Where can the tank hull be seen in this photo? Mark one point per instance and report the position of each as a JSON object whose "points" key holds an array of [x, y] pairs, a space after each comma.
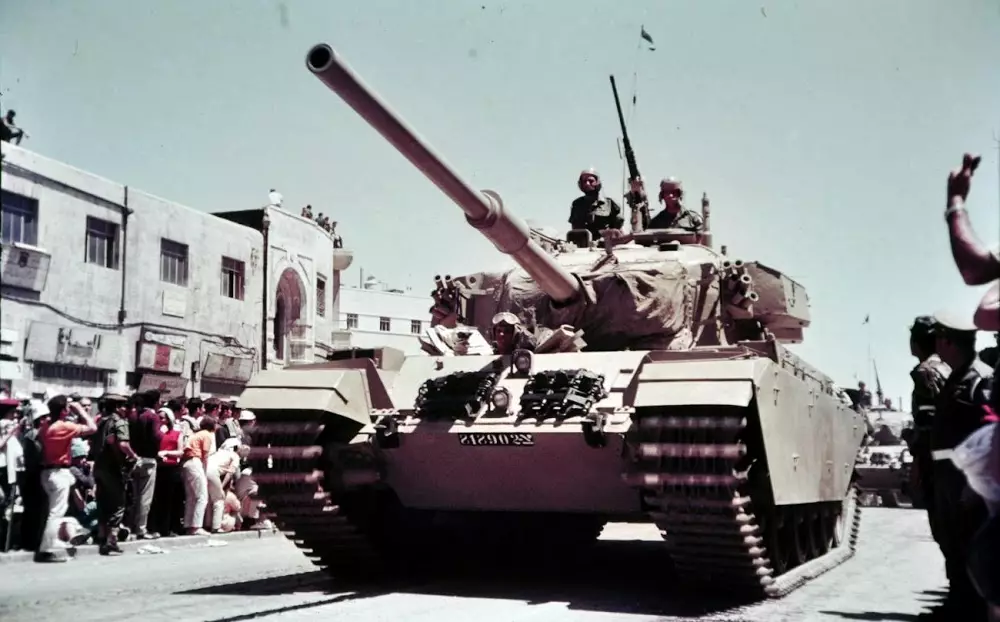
{"points": [[884, 472], [736, 453]]}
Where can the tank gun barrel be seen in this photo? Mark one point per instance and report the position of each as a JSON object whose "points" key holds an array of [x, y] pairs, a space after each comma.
{"points": [[483, 210]]}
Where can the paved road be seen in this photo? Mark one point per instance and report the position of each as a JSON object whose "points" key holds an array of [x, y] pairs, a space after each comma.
{"points": [[896, 574]]}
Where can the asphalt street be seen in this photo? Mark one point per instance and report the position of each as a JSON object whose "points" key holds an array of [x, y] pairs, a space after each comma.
{"points": [[896, 574]]}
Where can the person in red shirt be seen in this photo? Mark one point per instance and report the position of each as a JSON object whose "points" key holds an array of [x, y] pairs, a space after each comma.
{"points": [[57, 434], [167, 512]]}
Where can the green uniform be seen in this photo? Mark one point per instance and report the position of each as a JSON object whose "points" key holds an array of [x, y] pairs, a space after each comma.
{"points": [[111, 473]]}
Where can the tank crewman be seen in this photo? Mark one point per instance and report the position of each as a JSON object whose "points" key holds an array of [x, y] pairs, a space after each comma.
{"points": [[864, 395], [113, 460], [673, 215], [963, 406], [592, 211], [509, 334], [929, 376]]}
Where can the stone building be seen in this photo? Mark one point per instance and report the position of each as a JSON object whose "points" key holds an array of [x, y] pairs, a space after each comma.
{"points": [[104, 286], [374, 315]]}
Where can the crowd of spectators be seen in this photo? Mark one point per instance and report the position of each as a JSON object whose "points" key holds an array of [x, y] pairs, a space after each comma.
{"points": [[324, 222], [128, 467]]}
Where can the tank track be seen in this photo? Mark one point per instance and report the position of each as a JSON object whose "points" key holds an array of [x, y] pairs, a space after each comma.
{"points": [[713, 505], [289, 454]]}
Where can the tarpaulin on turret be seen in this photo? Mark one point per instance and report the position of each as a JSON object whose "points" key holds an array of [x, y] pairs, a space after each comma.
{"points": [[641, 306]]}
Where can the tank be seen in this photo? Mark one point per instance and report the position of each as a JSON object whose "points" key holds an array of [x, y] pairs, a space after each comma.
{"points": [[656, 386], [885, 468]]}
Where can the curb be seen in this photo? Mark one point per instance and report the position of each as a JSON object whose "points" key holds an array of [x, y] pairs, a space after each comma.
{"points": [[167, 544]]}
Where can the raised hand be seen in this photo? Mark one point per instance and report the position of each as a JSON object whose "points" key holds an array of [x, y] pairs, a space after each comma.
{"points": [[960, 180]]}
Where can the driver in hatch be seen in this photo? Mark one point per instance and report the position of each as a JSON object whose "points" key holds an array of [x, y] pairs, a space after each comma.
{"points": [[674, 216], [509, 334]]}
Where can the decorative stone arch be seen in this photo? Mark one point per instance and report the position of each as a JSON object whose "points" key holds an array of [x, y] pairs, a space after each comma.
{"points": [[289, 309]]}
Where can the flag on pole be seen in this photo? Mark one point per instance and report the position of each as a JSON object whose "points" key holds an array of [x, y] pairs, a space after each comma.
{"points": [[646, 37]]}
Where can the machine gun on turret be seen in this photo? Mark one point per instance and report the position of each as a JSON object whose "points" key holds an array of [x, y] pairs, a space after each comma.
{"points": [[636, 196]]}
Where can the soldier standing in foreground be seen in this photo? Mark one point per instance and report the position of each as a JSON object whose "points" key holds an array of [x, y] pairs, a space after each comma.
{"points": [[113, 461], [591, 211], [929, 376], [962, 408]]}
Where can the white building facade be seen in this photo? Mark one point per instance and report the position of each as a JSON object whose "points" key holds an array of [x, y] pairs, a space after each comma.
{"points": [[106, 287], [375, 315]]}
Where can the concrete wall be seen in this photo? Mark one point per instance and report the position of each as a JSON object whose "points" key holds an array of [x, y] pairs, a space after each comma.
{"points": [[71, 300]]}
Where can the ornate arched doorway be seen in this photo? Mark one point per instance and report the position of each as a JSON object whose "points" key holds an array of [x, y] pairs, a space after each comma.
{"points": [[288, 306]]}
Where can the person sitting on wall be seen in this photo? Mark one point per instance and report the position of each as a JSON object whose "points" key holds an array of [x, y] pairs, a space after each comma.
{"points": [[9, 132]]}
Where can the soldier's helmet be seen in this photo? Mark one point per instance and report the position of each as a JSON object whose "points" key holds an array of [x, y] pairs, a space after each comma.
{"points": [[923, 327], [505, 319], [671, 186], [584, 175]]}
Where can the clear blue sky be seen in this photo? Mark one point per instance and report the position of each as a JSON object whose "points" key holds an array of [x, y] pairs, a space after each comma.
{"points": [[822, 131]]}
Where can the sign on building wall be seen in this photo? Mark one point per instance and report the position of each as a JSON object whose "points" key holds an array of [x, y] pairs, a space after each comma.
{"points": [[170, 387], [161, 351], [158, 357], [24, 266], [72, 345], [235, 369]]}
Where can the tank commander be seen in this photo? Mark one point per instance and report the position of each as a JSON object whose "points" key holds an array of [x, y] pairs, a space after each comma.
{"points": [[929, 376], [592, 211], [963, 406], [673, 215]]}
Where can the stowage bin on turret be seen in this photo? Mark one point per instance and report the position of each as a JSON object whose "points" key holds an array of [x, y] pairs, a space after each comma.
{"points": [[587, 385]]}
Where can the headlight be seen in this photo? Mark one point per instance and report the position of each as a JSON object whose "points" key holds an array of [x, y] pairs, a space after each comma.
{"points": [[501, 399], [522, 361]]}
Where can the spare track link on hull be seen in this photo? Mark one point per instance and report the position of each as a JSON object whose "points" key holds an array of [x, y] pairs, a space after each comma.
{"points": [[692, 469], [288, 462]]}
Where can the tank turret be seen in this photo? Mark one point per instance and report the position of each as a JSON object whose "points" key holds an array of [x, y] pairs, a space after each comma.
{"points": [[483, 210], [637, 293]]}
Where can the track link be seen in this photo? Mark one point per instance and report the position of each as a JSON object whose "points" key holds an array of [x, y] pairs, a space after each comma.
{"points": [[695, 470], [290, 456]]}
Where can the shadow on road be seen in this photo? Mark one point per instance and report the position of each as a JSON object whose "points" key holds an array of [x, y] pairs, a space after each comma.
{"points": [[613, 577], [935, 612], [318, 581]]}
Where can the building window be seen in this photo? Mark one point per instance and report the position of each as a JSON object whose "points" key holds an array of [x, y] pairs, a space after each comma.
{"points": [[233, 271], [320, 296], [415, 326], [352, 320], [18, 219], [102, 243], [173, 262], [384, 324]]}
